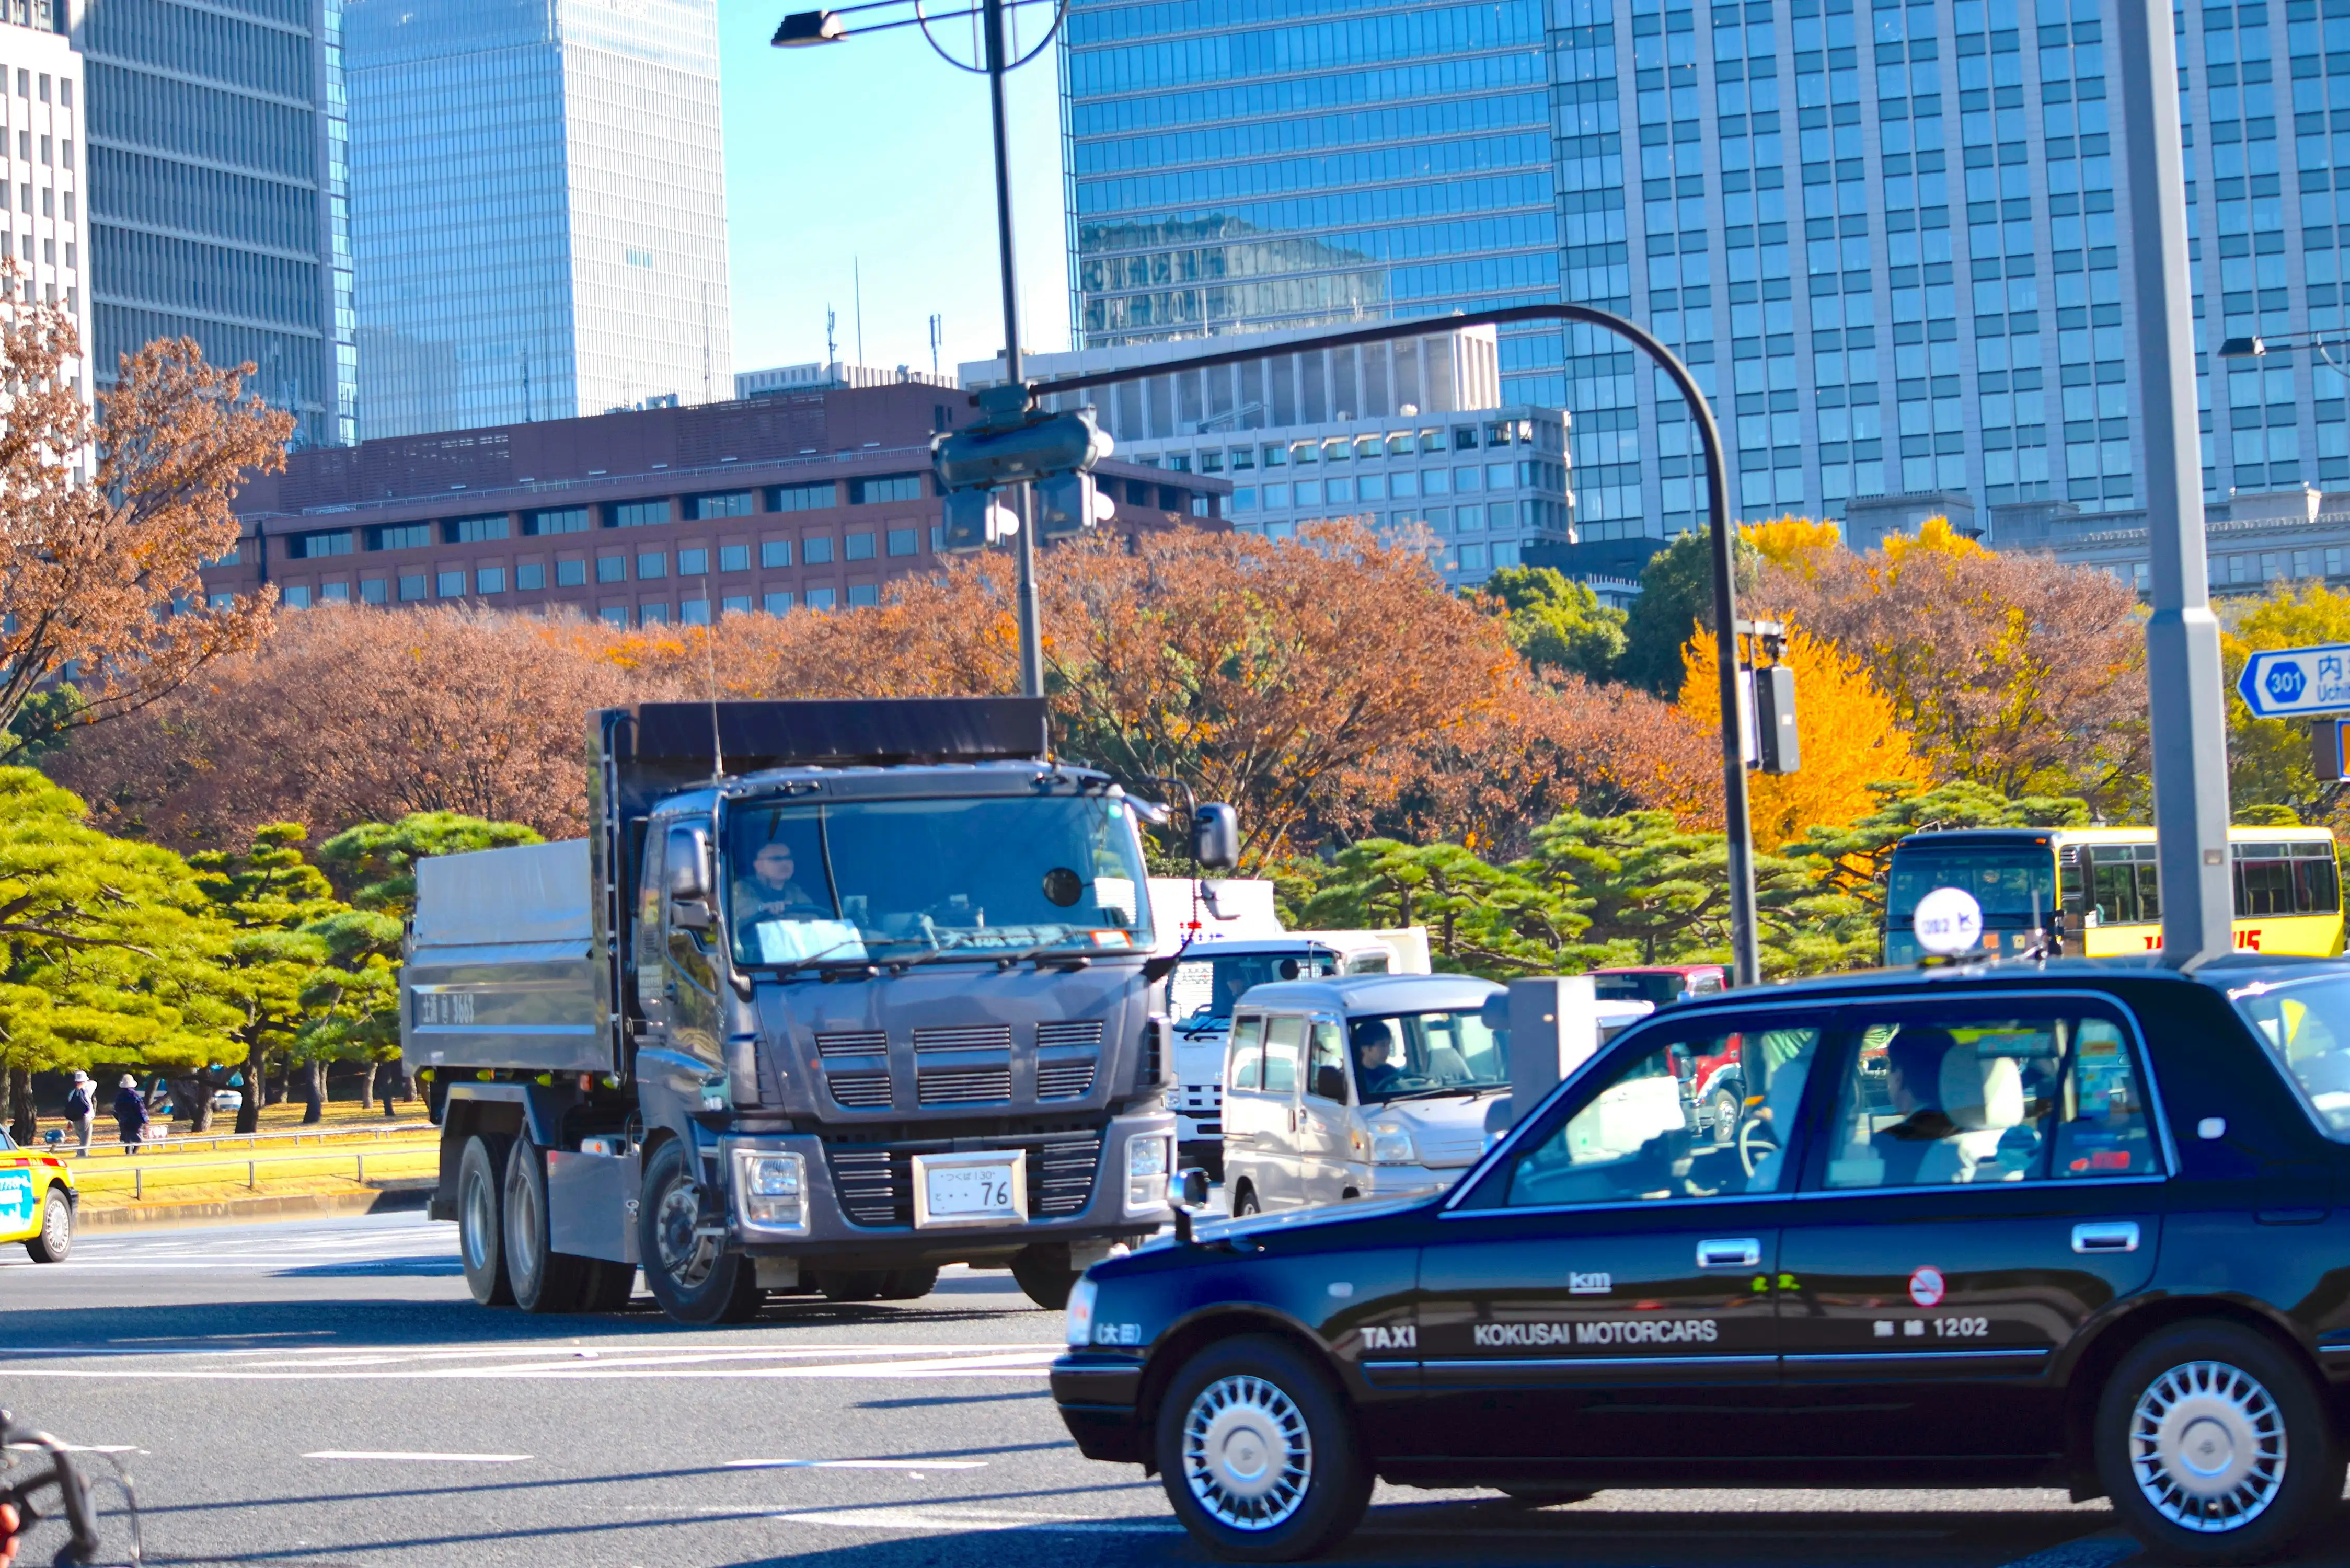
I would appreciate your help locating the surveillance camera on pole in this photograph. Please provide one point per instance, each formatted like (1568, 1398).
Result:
(1017, 444)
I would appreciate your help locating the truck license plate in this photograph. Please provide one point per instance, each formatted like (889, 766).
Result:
(969, 1189)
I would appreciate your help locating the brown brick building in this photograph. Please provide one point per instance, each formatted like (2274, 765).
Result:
(810, 500)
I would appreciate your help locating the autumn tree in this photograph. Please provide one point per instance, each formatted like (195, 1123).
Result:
(100, 561)
(267, 894)
(2269, 760)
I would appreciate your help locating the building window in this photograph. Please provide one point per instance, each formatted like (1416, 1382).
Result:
(864, 593)
(734, 604)
(860, 546)
(735, 559)
(530, 576)
(889, 487)
(400, 536)
(803, 497)
(637, 513)
(374, 591)
(473, 530)
(570, 574)
(310, 547)
(694, 612)
(652, 563)
(452, 585)
(693, 563)
(336, 594)
(653, 615)
(775, 603)
(297, 595)
(905, 541)
(489, 579)
(775, 552)
(816, 552)
(611, 568)
(819, 598)
(732, 504)
(414, 585)
(564, 519)
(613, 615)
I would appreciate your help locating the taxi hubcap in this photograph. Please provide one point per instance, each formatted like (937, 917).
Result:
(1246, 1453)
(2208, 1446)
(57, 1224)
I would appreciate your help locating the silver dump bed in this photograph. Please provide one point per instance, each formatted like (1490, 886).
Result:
(501, 969)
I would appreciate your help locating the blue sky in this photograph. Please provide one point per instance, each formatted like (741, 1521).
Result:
(876, 150)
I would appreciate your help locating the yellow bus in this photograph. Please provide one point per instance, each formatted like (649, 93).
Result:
(2097, 888)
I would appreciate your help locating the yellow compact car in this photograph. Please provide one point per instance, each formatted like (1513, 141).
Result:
(37, 1201)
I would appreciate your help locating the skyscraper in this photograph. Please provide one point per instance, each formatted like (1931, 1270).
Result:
(216, 192)
(539, 209)
(1885, 236)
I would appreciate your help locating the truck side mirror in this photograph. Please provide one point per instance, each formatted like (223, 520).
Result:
(1195, 1189)
(1216, 837)
(686, 866)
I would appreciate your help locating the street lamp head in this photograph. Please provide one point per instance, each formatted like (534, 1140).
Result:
(802, 28)
(2242, 349)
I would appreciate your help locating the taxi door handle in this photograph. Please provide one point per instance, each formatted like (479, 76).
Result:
(2117, 1236)
(1743, 1253)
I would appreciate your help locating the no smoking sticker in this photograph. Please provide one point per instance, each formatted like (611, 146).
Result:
(1926, 1287)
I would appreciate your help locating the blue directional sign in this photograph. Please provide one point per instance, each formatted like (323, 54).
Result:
(2285, 682)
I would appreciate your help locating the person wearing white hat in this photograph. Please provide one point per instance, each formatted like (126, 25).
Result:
(130, 1111)
(81, 1108)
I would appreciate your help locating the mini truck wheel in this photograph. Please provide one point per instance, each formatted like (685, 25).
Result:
(481, 1233)
(687, 1266)
(54, 1241)
(1258, 1453)
(2214, 1448)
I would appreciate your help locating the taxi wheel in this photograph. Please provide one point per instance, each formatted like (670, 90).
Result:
(480, 1233)
(54, 1241)
(1258, 1453)
(687, 1267)
(2214, 1448)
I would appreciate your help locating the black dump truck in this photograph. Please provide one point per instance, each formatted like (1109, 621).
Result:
(835, 994)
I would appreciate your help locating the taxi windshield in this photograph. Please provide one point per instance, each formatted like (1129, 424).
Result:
(1420, 1056)
(2305, 1025)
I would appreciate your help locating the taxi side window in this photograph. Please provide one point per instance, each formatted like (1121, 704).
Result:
(1246, 1070)
(1933, 1099)
(1648, 1134)
(1282, 1038)
(1325, 1063)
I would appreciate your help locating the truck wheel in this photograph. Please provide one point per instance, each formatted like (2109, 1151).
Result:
(908, 1284)
(1042, 1270)
(1257, 1450)
(2214, 1448)
(692, 1275)
(608, 1286)
(543, 1279)
(1722, 1108)
(480, 1241)
(54, 1241)
(850, 1285)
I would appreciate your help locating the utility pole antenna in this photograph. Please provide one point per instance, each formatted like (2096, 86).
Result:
(831, 353)
(857, 282)
(938, 327)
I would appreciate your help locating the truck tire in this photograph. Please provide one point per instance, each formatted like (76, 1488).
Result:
(1042, 1270)
(608, 1286)
(850, 1285)
(542, 1280)
(695, 1278)
(54, 1241)
(481, 1240)
(908, 1284)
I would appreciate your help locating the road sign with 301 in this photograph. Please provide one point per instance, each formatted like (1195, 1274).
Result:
(2285, 682)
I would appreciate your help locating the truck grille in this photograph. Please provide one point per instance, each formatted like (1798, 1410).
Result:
(1063, 1080)
(964, 1037)
(1070, 1031)
(1199, 1097)
(852, 1042)
(962, 1086)
(860, 1091)
(876, 1186)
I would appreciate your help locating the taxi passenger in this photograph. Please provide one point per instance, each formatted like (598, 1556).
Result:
(1913, 1067)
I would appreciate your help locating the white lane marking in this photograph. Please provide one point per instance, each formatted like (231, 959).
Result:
(856, 1464)
(371, 1456)
(934, 1520)
(205, 1338)
(2100, 1551)
(75, 1447)
(1028, 1365)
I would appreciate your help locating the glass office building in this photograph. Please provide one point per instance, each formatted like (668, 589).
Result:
(540, 210)
(1886, 237)
(217, 189)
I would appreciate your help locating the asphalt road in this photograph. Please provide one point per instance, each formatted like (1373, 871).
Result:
(326, 1393)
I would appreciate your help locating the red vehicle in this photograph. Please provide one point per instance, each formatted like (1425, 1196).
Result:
(1719, 1086)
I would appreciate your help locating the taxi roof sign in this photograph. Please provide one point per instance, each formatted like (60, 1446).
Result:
(2287, 682)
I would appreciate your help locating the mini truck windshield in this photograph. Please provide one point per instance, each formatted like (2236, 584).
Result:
(902, 881)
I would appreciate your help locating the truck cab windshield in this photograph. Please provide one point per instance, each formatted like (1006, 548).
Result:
(905, 880)
(1201, 990)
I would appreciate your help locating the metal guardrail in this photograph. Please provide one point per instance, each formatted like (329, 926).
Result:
(252, 1166)
(173, 1143)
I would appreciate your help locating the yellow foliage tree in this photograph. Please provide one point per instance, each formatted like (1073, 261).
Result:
(1846, 727)
(1935, 536)
(1796, 545)
(2268, 759)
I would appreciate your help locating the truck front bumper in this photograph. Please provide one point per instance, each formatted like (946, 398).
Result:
(857, 1199)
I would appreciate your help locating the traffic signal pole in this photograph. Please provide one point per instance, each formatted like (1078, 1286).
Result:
(2185, 702)
(1032, 652)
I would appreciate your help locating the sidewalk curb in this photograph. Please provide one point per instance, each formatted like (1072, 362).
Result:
(391, 1197)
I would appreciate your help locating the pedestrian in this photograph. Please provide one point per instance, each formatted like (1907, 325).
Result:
(130, 1111)
(81, 1108)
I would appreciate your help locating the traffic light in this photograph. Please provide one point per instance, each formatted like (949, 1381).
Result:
(988, 457)
(1774, 719)
(2326, 750)
(976, 519)
(1068, 504)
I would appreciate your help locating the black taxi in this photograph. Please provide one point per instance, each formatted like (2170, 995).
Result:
(2073, 1224)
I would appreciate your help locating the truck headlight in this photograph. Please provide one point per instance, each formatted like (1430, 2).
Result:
(1392, 1145)
(771, 1190)
(1147, 1161)
(1081, 1313)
